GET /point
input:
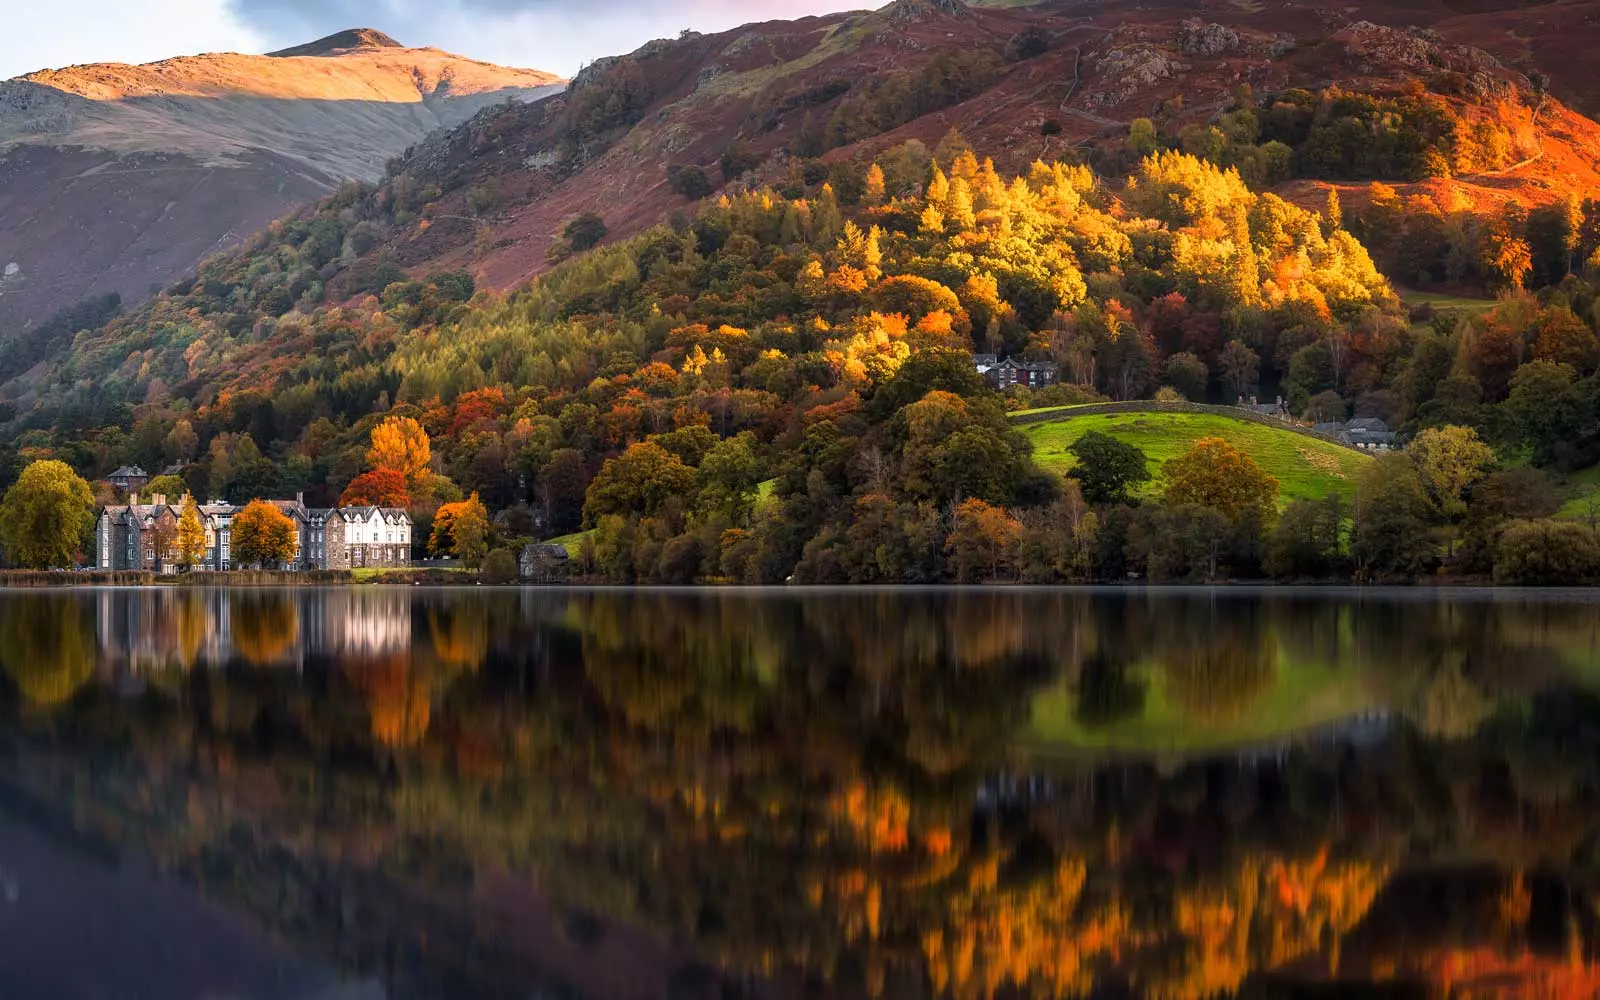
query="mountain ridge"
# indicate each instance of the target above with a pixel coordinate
(121, 177)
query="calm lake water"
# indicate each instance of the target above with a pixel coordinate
(372, 793)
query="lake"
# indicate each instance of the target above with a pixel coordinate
(367, 793)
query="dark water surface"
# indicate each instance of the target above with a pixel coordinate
(367, 793)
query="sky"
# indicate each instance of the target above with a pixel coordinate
(555, 35)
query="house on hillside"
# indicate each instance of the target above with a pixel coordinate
(1369, 433)
(1277, 408)
(129, 478)
(1011, 371)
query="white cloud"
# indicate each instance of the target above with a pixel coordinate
(61, 33)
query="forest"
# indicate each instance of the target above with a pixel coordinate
(782, 386)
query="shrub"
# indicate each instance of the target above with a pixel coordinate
(1546, 553)
(499, 566)
(585, 232)
(690, 181)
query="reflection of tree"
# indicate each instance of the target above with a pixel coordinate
(1107, 692)
(1217, 677)
(47, 647)
(266, 625)
(397, 700)
(460, 634)
(1449, 705)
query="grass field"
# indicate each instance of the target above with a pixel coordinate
(1440, 300)
(1297, 698)
(1306, 468)
(572, 543)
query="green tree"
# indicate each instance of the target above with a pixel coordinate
(45, 516)
(1390, 538)
(728, 477)
(263, 535)
(1189, 375)
(1306, 543)
(1547, 408)
(1106, 468)
(171, 487)
(585, 232)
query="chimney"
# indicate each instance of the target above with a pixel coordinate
(133, 498)
(300, 498)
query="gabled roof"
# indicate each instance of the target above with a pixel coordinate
(129, 472)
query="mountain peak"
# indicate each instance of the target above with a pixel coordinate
(342, 41)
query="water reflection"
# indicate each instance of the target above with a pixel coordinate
(968, 793)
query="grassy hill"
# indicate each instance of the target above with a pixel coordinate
(1306, 468)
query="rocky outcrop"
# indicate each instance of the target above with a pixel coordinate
(1197, 38)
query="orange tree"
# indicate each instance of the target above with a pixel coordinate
(1217, 475)
(379, 488)
(461, 529)
(262, 535)
(983, 542)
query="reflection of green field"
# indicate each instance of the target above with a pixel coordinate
(1305, 467)
(1299, 698)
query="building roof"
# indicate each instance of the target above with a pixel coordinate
(129, 472)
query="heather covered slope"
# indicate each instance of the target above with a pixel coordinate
(1020, 82)
(120, 178)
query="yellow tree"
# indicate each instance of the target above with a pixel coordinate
(45, 516)
(1450, 459)
(400, 444)
(191, 534)
(983, 541)
(263, 535)
(1215, 474)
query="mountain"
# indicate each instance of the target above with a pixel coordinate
(118, 178)
(1020, 82)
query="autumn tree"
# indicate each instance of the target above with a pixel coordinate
(401, 445)
(983, 542)
(45, 516)
(461, 529)
(1306, 542)
(1217, 475)
(191, 544)
(639, 481)
(263, 535)
(1450, 460)
(383, 487)
(1106, 469)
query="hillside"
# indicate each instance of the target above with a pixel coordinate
(117, 178)
(1020, 82)
(1306, 468)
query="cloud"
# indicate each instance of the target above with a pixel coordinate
(51, 35)
(555, 35)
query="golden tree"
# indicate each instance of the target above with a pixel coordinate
(1215, 474)
(263, 535)
(191, 535)
(400, 444)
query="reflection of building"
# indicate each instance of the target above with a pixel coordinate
(352, 622)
